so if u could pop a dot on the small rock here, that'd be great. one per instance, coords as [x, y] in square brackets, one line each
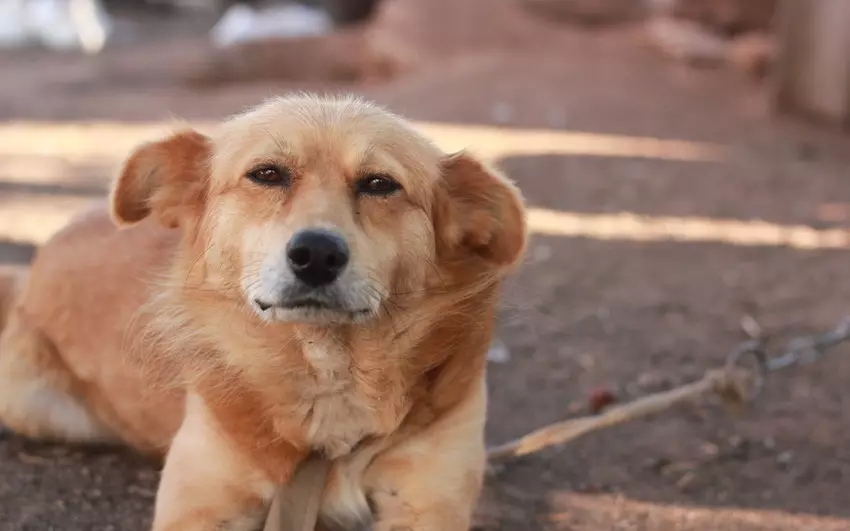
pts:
[752, 54]
[678, 467]
[656, 464]
[493, 469]
[541, 253]
[710, 450]
[769, 443]
[575, 407]
[739, 447]
[499, 352]
[592, 488]
[146, 475]
[141, 492]
[32, 459]
[686, 481]
[651, 381]
[783, 460]
[686, 41]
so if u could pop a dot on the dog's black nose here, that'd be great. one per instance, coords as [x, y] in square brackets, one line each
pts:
[317, 257]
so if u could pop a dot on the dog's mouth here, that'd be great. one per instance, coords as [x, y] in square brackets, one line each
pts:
[310, 309]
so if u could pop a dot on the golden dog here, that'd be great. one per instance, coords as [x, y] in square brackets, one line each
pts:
[314, 277]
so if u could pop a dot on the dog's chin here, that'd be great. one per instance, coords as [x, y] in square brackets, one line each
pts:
[313, 314]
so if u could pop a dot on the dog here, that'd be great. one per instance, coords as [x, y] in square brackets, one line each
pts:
[313, 278]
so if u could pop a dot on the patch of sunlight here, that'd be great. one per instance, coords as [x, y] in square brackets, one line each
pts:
[627, 226]
[33, 219]
[498, 142]
[77, 141]
[41, 170]
[603, 508]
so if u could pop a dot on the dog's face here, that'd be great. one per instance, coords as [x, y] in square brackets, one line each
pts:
[323, 210]
[328, 205]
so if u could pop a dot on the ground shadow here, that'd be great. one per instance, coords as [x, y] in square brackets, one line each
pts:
[50, 189]
[786, 192]
[15, 252]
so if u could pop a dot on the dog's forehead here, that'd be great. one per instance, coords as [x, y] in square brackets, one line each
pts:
[347, 131]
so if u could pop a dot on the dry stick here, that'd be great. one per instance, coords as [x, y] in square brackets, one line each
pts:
[732, 384]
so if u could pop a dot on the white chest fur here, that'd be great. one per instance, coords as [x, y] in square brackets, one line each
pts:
[339, 415]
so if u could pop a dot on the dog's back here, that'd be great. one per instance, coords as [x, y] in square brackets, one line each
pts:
[11, 280]
[76, 304]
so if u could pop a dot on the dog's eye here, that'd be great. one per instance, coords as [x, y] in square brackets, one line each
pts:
[269, 175]
[377, 185]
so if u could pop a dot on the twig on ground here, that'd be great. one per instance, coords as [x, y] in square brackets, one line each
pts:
[734, 383]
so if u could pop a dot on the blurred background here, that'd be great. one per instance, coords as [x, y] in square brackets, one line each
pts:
[685, 162]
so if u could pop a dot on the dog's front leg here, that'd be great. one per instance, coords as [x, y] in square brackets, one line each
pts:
[206, 484]
[431, 480]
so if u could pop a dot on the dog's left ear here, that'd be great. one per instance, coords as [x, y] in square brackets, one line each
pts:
[478, 213]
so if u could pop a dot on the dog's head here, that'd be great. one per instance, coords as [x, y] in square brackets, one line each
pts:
[323, 210]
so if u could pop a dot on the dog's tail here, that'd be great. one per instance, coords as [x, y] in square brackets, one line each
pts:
[11, 282]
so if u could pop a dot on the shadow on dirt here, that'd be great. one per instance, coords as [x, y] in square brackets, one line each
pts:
[15, 253]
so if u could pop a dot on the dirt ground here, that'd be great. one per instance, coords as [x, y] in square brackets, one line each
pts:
[599, 303]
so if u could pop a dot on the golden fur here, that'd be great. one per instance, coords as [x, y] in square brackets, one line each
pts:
[147, 334]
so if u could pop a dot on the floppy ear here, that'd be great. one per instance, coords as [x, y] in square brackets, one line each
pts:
[479, 213]
[167, 179]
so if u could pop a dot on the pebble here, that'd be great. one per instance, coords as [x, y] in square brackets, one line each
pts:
[656, 464]
[541, 253]
[752, 54]
[499, 352]
[650, 382]
[140, 491]
[686, 41]
[575, 407]
[739, 447]
[710, 450]
[674, 468]
[686, 481]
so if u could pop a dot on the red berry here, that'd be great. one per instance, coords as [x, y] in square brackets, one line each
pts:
[599, 399]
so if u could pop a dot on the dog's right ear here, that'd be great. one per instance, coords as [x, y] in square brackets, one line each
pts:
[166, 179]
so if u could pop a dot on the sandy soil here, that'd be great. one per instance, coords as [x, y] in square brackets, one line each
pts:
[600, 302]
